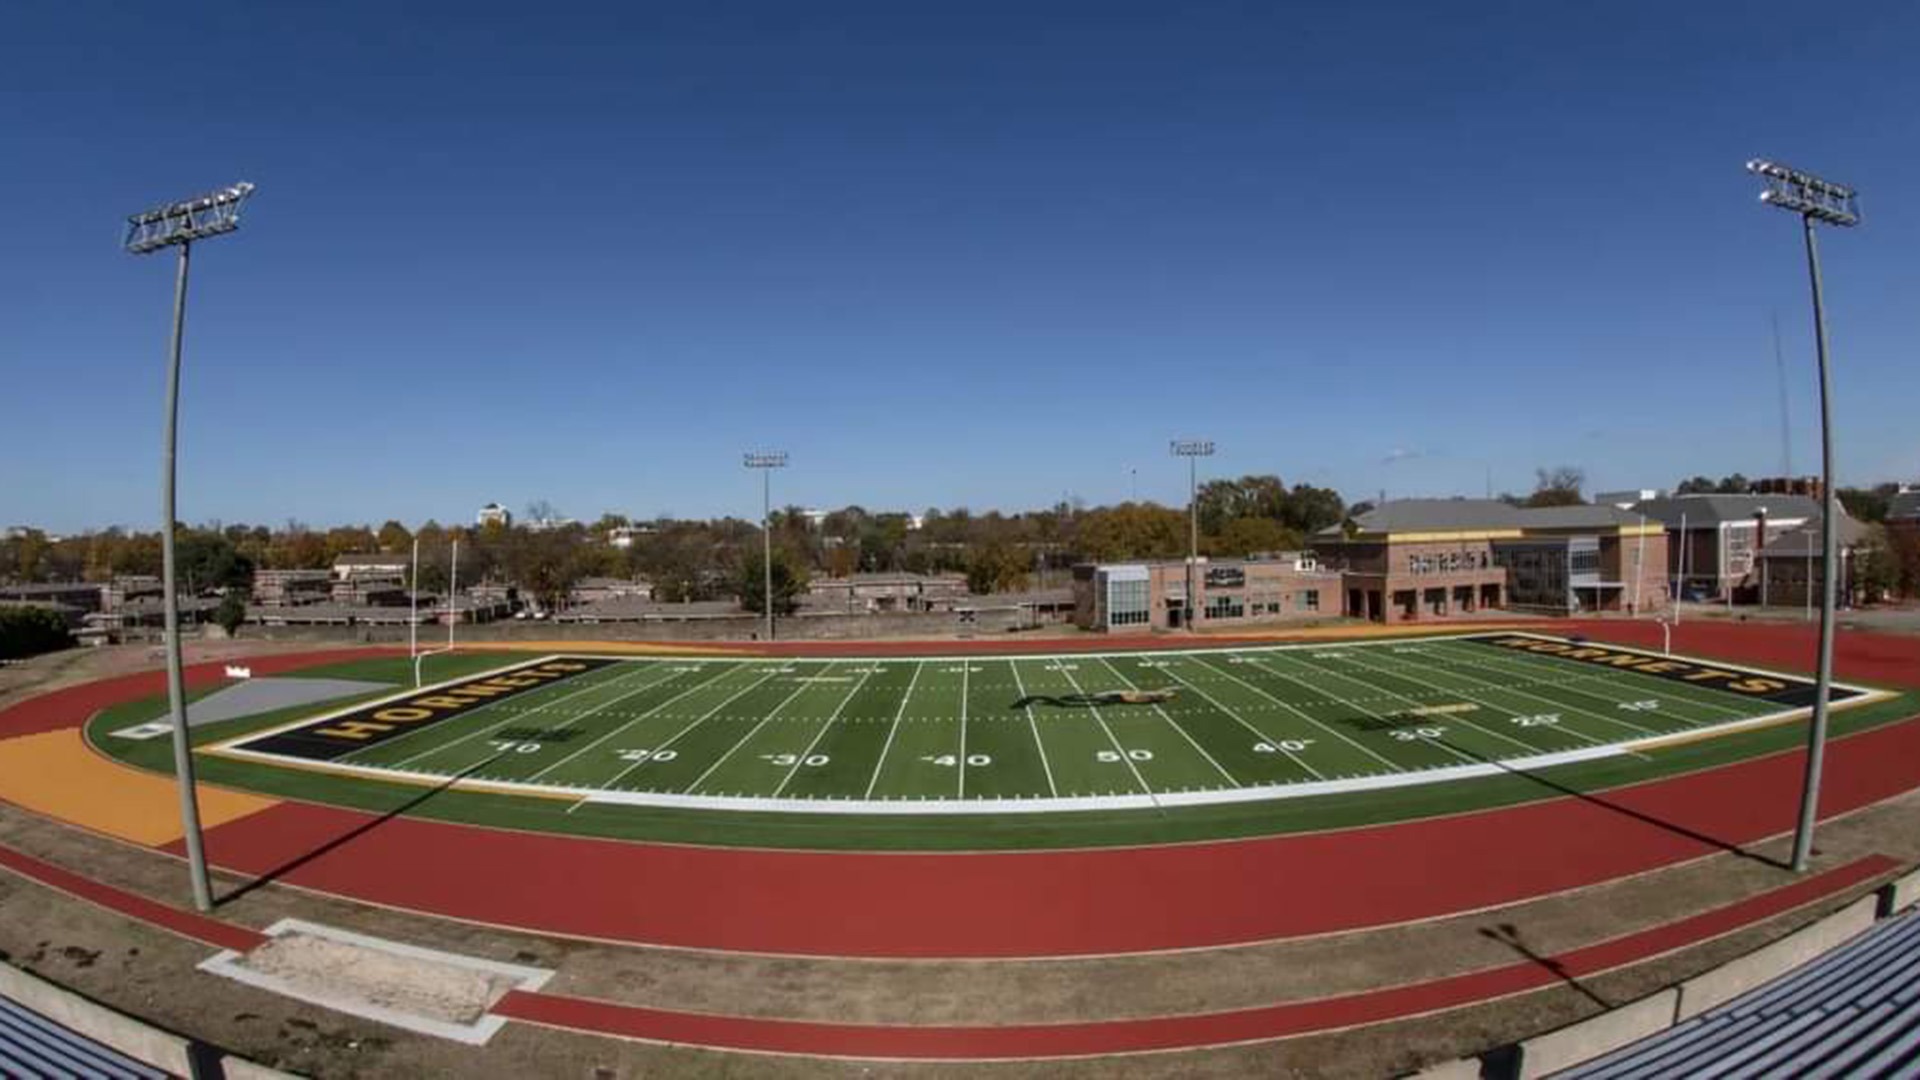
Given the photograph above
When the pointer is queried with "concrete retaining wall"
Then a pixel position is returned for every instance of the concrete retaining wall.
(1556, 1050)
(97, 1022)
(176, 1054)
(1902, 893)
(1737, 976)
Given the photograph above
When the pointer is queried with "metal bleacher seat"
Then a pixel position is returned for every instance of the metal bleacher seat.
(33, 1046)
(1854, 1012)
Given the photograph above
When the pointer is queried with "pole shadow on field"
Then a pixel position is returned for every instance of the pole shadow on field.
(270, 876)
(1625, 811)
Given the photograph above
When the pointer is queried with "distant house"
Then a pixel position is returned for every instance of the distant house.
(858, 593)
(493, 514)
(1789, 566)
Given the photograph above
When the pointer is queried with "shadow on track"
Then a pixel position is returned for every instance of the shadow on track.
(1626, 811)
(288, 867)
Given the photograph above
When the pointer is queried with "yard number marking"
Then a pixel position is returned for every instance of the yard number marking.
(1539, 720)
(1415, 734)
(951, 760)
(505, 747)
(638, 756)
(1638, 706)
(1114, 755)
(788, 761)
(1291, 746)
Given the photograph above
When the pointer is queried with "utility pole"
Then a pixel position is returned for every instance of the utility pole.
(766, 462)
(179, 225)
(1192, 449)
(1814, 200)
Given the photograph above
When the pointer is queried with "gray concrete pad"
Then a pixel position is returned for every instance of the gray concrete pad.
(249, 697)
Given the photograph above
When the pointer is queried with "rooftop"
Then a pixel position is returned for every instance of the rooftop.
(1716, 509)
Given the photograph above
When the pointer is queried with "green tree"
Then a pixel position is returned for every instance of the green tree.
(790, 580)
(232, 612)
(1245, 536)
(996, 568)
(394, 538)
(28, 631)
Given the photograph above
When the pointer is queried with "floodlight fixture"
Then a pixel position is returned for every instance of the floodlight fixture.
(1815, 199)
(1192, 450)
(766, 461)
(185, 222)
(1806, 194)
(179, 225)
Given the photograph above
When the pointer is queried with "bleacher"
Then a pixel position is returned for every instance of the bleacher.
(33, 1046)
(1854, 1012)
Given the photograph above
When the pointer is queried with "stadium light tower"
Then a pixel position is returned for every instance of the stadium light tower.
(179, 225)
(1814, 200)
(766, 462)
(1192, 449)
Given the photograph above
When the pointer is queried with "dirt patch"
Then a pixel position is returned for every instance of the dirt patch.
(323, 966)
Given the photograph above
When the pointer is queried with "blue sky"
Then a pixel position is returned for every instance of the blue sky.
(967, 254)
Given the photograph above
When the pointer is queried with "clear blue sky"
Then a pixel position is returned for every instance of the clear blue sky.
(960, 254)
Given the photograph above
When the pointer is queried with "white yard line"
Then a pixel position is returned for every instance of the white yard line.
(1302, 713)
(1484, 686)
(1125, 758)
(748, 737)
(966, 667)
(894, 729)
(1275, 741)
(697, 721)
(1672, 687)
(1221, 769)
(822, 733)
(513, 716)
(723, 672)
(1053, 789)
(1461, 717)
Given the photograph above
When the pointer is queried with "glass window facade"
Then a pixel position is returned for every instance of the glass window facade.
(1129, 603)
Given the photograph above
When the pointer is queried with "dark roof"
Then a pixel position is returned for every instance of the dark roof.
(1805, 540)
(1702, 510)
(1410, 515)
(1904, 505)
(1577, 517)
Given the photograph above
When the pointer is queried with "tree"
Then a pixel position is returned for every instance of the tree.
(790, 580)
(1867, 504)
(1694, 485)
(1558, 486)
(1876, 568)
(1247, 536)
(997, 568)
(1310, 509)
(394, 538)
(232, 612)
(27, 631)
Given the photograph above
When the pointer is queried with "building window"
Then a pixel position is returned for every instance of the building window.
(1307, 600)
(1226, 607)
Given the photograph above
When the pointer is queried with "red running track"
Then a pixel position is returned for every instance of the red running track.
(1072, 902)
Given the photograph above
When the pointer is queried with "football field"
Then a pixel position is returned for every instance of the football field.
(1033, 733)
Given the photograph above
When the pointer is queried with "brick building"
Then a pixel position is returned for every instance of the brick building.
(1571, 559)
(1153, 596)
(1713, 539)
(1421, 558)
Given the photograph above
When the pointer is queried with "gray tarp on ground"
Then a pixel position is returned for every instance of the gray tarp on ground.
(252, 696)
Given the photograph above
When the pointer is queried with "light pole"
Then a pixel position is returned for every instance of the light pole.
(1192, 449)
(766, 462)
(179, 225)
(1814, 200)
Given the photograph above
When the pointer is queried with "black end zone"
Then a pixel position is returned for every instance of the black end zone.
(370, 725)
(1784, 690)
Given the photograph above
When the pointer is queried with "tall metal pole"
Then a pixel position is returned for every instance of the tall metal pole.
(176, 677)
(453, 593)
(1193, 541)
(766, 546)
(413, 614)
(1829, 556)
